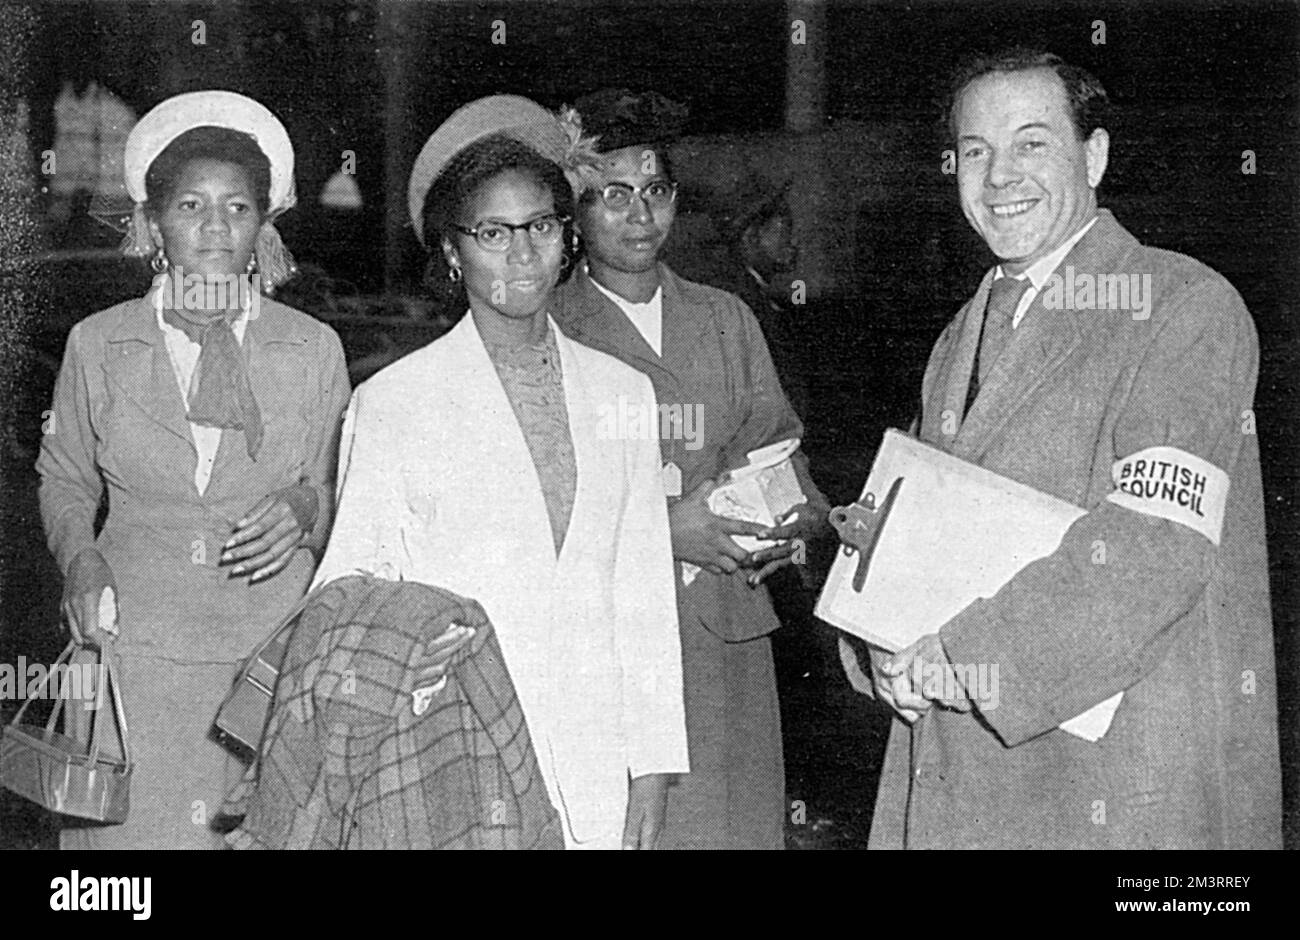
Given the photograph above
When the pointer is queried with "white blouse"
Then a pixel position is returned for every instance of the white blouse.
(184, 354)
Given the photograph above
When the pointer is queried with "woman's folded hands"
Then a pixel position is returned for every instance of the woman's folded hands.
(264, 541)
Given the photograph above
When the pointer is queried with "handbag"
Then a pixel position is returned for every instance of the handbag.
(246, 708)
(63, 774)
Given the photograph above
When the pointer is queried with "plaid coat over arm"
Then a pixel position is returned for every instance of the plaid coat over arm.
(346, 762)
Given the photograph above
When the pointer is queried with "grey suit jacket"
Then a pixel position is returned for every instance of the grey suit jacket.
(118, 426)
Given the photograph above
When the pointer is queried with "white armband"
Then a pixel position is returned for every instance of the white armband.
(1172, 484)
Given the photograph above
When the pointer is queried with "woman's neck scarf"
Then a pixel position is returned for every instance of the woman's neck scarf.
(224, 397)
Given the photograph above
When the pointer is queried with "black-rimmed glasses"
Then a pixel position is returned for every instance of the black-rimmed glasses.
(498, 236)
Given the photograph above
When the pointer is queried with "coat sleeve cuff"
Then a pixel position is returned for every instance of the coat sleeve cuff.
(1020, 710)
(672, 762)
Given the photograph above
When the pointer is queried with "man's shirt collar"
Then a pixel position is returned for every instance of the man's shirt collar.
(1042, 269)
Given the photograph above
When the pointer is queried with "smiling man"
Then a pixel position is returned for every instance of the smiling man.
(1028, 174)
(1160, 591)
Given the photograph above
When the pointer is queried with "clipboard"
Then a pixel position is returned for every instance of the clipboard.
(930, 534)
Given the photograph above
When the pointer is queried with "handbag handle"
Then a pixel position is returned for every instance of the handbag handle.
(65, 656)
(107, 657)
(298, 608)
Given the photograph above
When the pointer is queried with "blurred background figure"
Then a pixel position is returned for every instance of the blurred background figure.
(753, 216)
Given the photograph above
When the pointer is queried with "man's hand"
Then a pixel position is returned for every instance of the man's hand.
(647, 806)
(884, 686)
(83, 589)
(264, 540)
(794, 530)
(921, 674)
(705, 539)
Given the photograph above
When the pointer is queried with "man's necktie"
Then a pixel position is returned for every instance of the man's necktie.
(1004, 297)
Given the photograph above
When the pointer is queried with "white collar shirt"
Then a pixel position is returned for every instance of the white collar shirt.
(648, 318)
(184, 355)
(1041, 270)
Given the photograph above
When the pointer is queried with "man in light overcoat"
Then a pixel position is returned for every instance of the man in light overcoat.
(1121, 378)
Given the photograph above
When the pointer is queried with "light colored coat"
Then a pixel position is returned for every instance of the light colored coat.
(437, 485)
(118, 428)
(1129, 602)
(118, 424)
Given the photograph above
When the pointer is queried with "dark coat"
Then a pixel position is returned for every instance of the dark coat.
(786, 341)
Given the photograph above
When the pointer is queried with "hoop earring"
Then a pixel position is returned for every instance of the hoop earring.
(454, 274)
(159, 262)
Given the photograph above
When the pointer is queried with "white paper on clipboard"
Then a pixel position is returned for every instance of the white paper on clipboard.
(956, 532)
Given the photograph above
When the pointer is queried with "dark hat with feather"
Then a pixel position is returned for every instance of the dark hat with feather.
(620, 118)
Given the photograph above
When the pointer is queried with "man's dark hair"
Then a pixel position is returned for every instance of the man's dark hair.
(208, 143)
(1089, 104)
(457, 184)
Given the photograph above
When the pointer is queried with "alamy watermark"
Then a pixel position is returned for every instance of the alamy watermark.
(181, 291)
(71, 681)
(950, 682)
(632, 421)
(1086, 291)
(103, 893)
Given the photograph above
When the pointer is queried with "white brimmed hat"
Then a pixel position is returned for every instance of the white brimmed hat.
(227, 109)
(168, 121)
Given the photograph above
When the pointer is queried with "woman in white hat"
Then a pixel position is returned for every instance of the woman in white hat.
(493, 463)
(208, 416)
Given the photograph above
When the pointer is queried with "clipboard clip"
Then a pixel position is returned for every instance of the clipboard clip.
(859, 525)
